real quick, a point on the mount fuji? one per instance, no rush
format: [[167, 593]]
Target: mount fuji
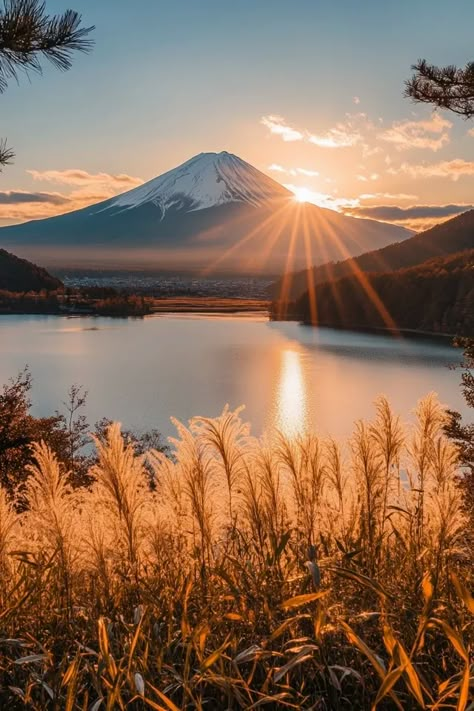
[[215, 212]]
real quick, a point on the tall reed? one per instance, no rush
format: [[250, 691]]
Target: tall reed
[[285, 571]]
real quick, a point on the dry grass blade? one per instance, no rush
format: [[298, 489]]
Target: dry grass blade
[[463, 593], [287, 623], [362, 580], [165, 699], [233, 616], [31, 659], [371, 656], [70, 680], [454, 637], [248, 655], [464, 689], [301, 600], [213, 658], [427, 588], [413, 680], [387, 685], [134, 643], [298, 659]]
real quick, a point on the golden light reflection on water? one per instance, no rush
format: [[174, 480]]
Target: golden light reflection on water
[[291, 406]]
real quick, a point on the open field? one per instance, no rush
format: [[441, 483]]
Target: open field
[[207, 305]]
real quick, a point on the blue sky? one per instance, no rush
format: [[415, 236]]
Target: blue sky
[[169, 80]]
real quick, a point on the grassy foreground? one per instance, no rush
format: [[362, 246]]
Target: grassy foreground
[[269, 573]]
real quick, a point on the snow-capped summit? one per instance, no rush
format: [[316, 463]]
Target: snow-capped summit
[[207, 180]]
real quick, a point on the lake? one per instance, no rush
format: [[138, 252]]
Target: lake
[[141, 372]]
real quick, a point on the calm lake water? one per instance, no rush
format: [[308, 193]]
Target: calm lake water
[[142, 372]]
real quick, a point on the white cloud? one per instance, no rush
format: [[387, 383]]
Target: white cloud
[[277, 168], [346, 134], [276, 125], [387, 196], [453, 169], [431, 134], [365, 178], [308, 173], [343, 135], [78, 177], [368, 151]]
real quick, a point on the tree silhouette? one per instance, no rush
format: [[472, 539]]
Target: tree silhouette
[[449, 87], [28, 35]]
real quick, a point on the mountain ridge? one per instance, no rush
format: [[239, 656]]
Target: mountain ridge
[[215, 209]]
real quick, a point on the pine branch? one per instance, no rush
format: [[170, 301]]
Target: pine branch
[[6, 154], [28, 35], [448, 87]]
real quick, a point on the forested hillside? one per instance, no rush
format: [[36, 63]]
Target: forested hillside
[[448, 238], [19, 275], [436, 296]]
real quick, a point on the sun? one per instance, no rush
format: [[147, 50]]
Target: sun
[[302, 194]]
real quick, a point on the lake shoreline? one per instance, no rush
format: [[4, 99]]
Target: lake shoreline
[[209, 306], [150, 305]]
